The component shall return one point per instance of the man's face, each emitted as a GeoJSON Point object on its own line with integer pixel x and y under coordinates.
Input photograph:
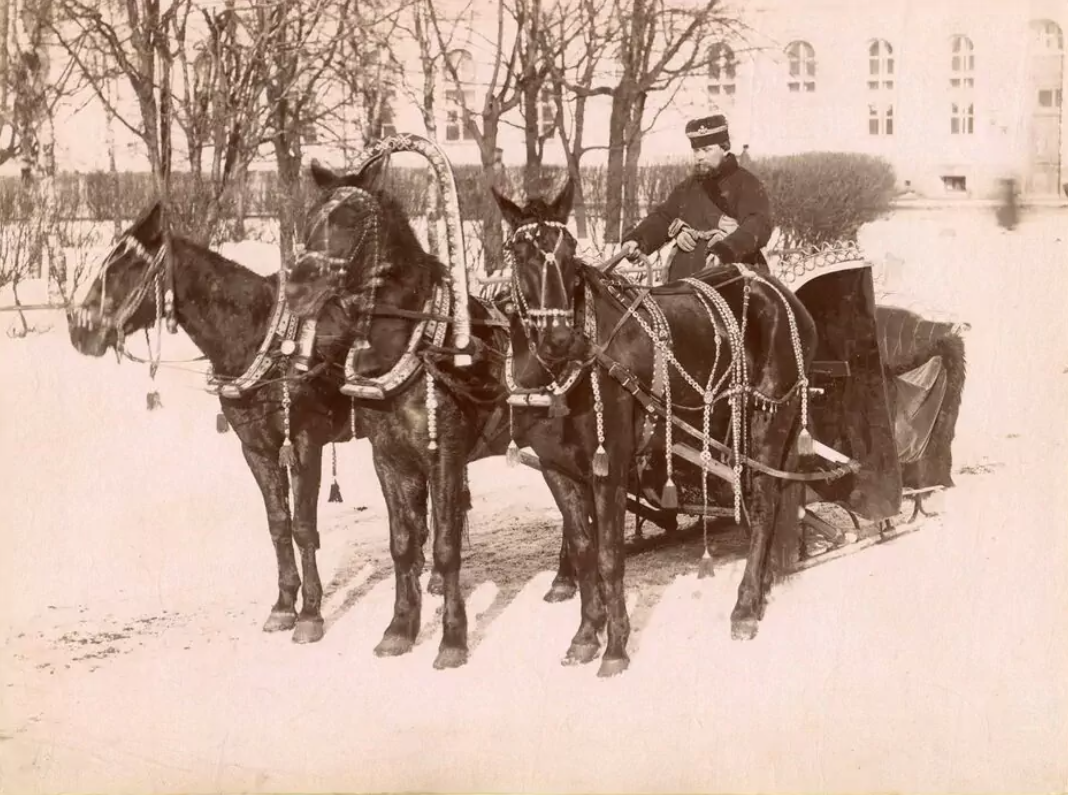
{"type": "Point", "coordinates": [708, 158]}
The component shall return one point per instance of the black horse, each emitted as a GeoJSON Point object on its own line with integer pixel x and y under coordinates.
{"type": "Point", "coordinates": [234, 316]}
{"type": "Point", "coordinates": [362, 254]}
{"type": "Point", "coordinates": [737, 341]}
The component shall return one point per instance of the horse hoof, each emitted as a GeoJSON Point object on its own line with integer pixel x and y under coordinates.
{"type": "Point", "coordinates": [450, 657]}
{"type": "Point", "coordinates": [309, 630]}
{"type": "Point", "coordinates": [580, 654]}
{"type": "Point", "coordinates": [613, 667]}
{"type": "Point", "coordinates": [280, 621]}
{"type": "Point", "coordinates": [436, 586]}
{"type": "Point", "coordinates": [393, 646]}
{"type": "Point", "coordinates": [743, 628]}
{"type": "Point", "coordinates": [561, 591]}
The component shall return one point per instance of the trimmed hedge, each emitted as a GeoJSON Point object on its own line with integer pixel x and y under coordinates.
{"type": "Point", "coordinates": [821, 197]}
{"type": "Point", "coordinates": [816, 197]}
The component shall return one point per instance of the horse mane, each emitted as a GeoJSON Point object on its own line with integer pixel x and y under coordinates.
{"type": "Point", "coordinates": [219, 262]}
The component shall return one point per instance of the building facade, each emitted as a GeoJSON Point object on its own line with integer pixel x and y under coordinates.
{"type": "Point", "coordinates": [957, 94]}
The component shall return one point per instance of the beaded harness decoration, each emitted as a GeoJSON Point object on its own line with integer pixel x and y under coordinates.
{"type": "Point", "coordinates": [729, 339]}
{"type": "Point", "coordinates": [364, 301]}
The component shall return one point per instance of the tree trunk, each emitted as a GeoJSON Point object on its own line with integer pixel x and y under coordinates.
{"type": "Point", "coordinates": [532, 165]}
{"type": "Point", "coordinates": [491, 218]}
{"type": "Point", "coordinates": [289, 198]}
{"type": "Point", "coordinates": [631, 208]}
{"type": "Point", "coordinates": [617, 131]}
{"type": "Point", "coordinates": [18, 308]}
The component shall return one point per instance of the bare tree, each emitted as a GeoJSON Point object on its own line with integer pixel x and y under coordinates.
{"type": "Point", "coordinates": [580, 36]}
{"type": "Point", "coordinates": [504, 89]}
{"type": "Point", "coordinates": [136, 39]}
{"type": "Point", "coordinates": [296, 43]}
{"type": "Point", "coordinates": [655, 44]}
{"type": "Point", "coordinates": [416, 28]}
{"type": "Point", "coordinates": [367, 69]}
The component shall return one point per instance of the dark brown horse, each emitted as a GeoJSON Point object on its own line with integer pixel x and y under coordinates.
{"type": "Point", "coordinates": [743, 343]}
{"type": "Point", "coordinates": [360, 248]}
{"type": "Point", "coordinates": [233, 315]}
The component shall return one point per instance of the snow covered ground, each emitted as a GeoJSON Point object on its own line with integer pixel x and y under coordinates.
{"type": "Point", "coordinates": [136, 572]}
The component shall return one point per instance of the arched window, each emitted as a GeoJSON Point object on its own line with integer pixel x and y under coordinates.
{"type": "Point", "coordinates": [962, 85]}
{"type": "Point", "coordinates": [802, 63]}
{"type": "Point", "coordinates": [880, 65]}
{"type": "Point", "coordinates": [962, 62]}
{"type": "Point", "coordinates": [1046, 36]}
{"type": "Point", "coordinates": [459, 96]}
{"type": "Point", "coordinates": [881, 88]}
{"type": "Point", "coordinates": [1047, 55]}
{"type": "Point", "coordinates": [722, 72]}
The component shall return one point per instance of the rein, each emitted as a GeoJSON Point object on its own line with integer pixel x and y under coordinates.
{"type": "Point", "coordinates": [629, 298]}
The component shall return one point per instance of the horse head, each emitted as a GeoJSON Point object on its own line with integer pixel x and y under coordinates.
{"type": "Point", "coordinates": [341, 223]}
{"type": "Point", "coordinates": [126, 293]}
{"type": "Point", "coordinates": [545, 271]}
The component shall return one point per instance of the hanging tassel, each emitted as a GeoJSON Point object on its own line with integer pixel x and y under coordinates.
{"type": "Point", "coordinates": [705, 568]}
{"type": "Point", "coordinates": [600, 462]}
{"type": "Point", "coordinates": [512, 454]}
{"type": "Point", "coordinates": [221, 425]}
{"type": "Point", "coordinates": [287, 457]}
{"type": "Point", "coordinates": [153, 401]}
{"type": "Point", "coordinates": [558, 406]}
{"type": "Point", "coordinates": [804, 442]}
{"type": "Point", "coordinates": [669, 498]}
{"type": "Point", "coordinates": [335, 490]}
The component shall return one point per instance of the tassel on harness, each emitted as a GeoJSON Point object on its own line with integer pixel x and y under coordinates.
{"type": "Point", "coordinates": [705, 568]}
{"type": "Point", "coordinates": [335, 489]}
{"type": "Point", "coordinates": [669, 498]}
{"type": "Point", "coordinates": [600, 462]}
{"type": "Point", "coordinates": [512, 454]}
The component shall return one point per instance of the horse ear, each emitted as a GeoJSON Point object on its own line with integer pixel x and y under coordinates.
{"type": "Point", "coordinates": [561, 206]}
{"type": "Point", "coordinates": [324, 178]}
{"type": "Point", "coordinates": [149, 227]}
{"type": "Point", "coordinates": [512, 214]}
{"type": "Point", "coordinates": [372, 177]}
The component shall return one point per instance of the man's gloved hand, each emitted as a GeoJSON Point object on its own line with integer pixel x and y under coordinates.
{"type": "Point", "coordinates": [684, 235]}
{"type": "Point", "coordinates": [629, 248]}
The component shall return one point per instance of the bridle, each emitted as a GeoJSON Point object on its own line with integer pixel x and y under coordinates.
{"type": "Point", "coordinates": [159, 273]}
{"type": "Point", "coordinates": [542, 316]}
{"type": "Point", "coordinates": [323, 262]}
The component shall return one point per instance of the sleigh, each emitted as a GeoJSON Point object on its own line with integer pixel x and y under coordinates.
{"type": "Point", "coordinates": [884, 394]}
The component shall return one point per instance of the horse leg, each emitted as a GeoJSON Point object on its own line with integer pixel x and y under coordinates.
{"type": "Point", "coordinates": [405, 493]}
{"type": "Point", "coordinates": [307, 475]}
{"type": "Point", "coordinates": [446, 489]}
{"type": "Point", "coordinates": [582, 548]}
{"type": "Point", "coordinates": [772, 518]}
{"type": "Point", "coordinates": [610, 499]}
{"type": "Point", "coordinates": [574, 513]}
{"type": "Point", "coordinates": [436, 584]}
{"type": "Point", "coordinates": [274, 486]}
